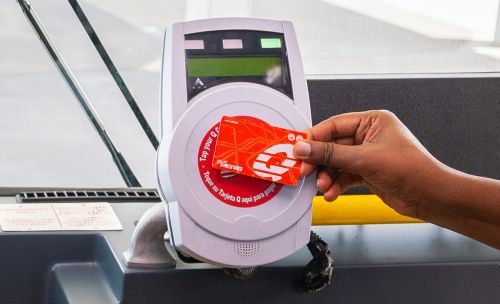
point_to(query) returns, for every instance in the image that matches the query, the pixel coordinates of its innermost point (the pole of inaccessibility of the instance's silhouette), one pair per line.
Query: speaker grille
(247, 249)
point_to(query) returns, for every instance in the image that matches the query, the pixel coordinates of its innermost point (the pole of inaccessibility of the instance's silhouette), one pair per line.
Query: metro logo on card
(249, 146)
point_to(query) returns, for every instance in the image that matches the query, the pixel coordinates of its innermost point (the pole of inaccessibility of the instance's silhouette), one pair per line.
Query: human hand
(374, 149)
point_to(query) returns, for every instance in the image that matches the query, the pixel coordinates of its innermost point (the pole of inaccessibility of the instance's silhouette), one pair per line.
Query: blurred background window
(46, 140)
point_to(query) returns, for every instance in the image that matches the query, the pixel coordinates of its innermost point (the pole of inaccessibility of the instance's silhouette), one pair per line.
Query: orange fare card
(249, 146)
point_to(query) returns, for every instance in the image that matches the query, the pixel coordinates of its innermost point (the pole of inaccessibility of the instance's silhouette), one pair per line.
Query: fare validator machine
(230, 67)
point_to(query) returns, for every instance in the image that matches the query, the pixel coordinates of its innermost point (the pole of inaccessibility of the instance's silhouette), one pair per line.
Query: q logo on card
(274, 172)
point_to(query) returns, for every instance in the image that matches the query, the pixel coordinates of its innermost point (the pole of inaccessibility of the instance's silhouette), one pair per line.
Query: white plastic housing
(199, 224)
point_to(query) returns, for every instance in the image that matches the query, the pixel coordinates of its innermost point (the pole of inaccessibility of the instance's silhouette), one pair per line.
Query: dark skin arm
(376, 149)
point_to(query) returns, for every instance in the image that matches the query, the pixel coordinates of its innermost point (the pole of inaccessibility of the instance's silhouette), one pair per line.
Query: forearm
(467, 204)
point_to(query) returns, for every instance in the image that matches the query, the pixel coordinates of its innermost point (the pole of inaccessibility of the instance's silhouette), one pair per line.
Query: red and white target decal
(231, 188)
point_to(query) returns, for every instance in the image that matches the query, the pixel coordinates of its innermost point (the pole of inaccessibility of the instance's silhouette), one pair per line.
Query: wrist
(462, 197)
(443, 191)
(467, 204)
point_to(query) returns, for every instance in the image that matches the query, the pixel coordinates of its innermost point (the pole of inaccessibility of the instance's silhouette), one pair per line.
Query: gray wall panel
(457, 119)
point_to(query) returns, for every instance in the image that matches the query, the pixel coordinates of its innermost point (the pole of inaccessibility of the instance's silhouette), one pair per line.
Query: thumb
(329, 154)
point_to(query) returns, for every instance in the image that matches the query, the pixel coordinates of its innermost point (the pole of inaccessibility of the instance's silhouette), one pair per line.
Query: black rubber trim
(120, 162)
(89, 29)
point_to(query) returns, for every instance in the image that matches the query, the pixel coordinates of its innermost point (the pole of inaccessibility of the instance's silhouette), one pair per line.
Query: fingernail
(302, 149)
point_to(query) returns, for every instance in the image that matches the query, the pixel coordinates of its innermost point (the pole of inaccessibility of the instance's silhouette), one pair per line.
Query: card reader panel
(219, 57)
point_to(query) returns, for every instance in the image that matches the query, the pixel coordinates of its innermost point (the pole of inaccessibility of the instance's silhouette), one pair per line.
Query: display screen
(220, 57)
(232, 66)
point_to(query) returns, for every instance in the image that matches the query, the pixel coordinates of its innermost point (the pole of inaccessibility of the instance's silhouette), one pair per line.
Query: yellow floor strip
(355, 210)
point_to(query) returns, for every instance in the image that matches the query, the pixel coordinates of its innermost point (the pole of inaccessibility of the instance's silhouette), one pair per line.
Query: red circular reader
(228, 187)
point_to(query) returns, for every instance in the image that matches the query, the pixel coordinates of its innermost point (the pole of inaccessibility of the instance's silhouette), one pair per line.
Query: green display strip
(231, 66)
(270, 43)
